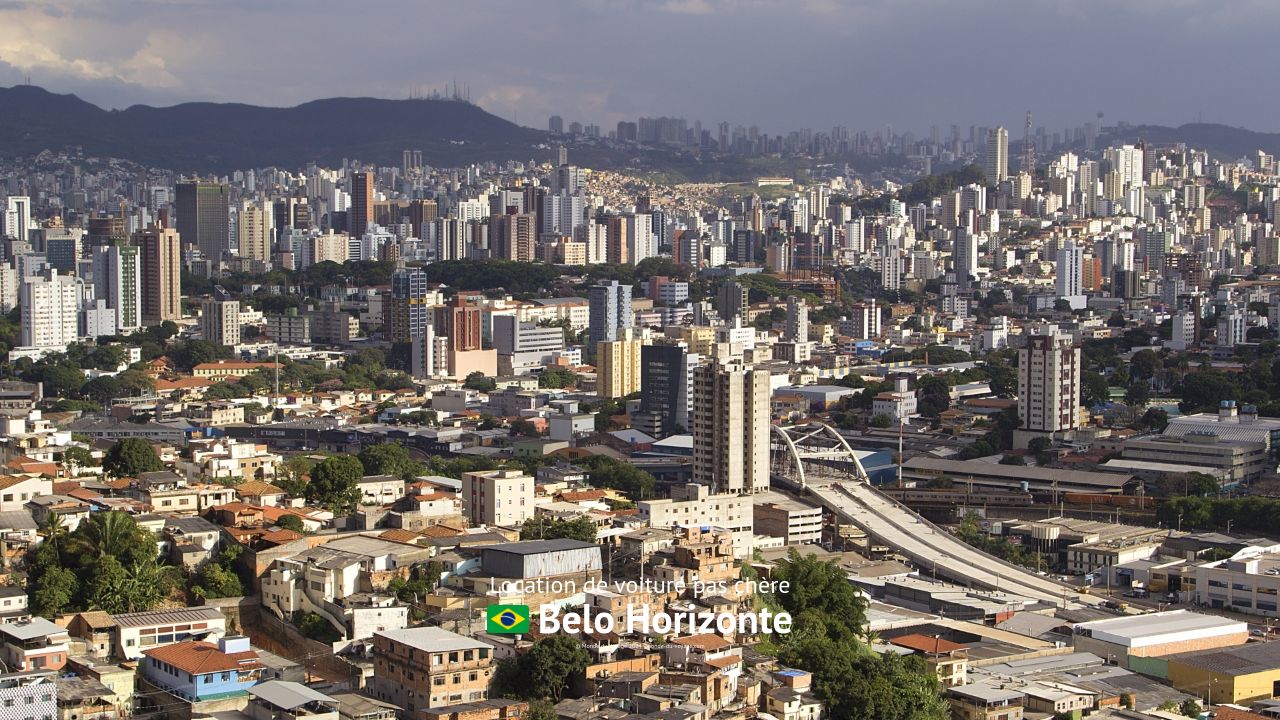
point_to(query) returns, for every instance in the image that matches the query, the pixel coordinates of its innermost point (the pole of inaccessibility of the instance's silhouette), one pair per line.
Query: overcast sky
(778, 64)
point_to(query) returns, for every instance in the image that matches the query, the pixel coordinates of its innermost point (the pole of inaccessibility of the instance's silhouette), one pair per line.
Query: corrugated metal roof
(167, 617)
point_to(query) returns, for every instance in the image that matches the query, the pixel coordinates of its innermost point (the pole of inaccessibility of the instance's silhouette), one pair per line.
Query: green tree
(215, 581)
(51, 590)
(291, 522)
(543, 672)
(1138, 394)
(524, 428)
(1190, 707)
(479, 381)
(101, 389)
(129, 457)
(386, 459)
(880, 421)
(292, 475)
(1093, 389)
(540, 528)
(115, 534)
(334, 483)
(76, 458)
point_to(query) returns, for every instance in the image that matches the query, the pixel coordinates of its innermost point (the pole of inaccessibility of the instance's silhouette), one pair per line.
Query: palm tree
(106, 533)
(147, 582)
(55, 532)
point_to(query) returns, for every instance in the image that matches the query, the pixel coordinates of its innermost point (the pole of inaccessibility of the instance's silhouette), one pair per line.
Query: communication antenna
(1028, 148)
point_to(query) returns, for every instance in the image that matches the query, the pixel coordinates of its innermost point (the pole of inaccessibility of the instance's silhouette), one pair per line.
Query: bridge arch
(790, 447)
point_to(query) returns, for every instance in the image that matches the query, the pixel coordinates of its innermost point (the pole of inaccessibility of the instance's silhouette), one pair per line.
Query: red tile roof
(200, 658)
(926, 644)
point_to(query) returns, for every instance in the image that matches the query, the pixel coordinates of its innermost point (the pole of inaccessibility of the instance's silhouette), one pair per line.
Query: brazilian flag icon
(507, 619)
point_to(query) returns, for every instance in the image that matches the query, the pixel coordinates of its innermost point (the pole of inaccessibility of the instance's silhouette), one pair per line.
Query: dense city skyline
(863, 64)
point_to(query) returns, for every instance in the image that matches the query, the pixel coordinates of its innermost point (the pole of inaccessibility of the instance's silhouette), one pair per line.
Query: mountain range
(221, 137)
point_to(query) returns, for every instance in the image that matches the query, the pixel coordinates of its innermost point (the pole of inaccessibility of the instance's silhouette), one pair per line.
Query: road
(929, 546)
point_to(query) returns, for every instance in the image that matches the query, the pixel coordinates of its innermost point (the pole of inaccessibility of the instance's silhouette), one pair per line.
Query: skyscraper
(460, 323)
(1048, 383)
(966, 256)
(161, 253)
(17, 217)
(117, 279)
(50, 310)
(220, 318)
(731, 301)
(731, 428)
(204, 216)
(996, 163)
(618, 373)
(1070, 270)
(666, 390)
(513, 236)
(255, 224)
(610, 309)
(361, 212)
(797, 325)
(406, 311)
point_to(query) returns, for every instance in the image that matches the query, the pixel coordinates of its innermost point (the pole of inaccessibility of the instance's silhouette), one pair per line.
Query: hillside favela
(732, 387)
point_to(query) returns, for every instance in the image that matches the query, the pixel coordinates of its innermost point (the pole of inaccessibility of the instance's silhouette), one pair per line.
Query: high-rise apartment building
(17, 217)
(996, 164)
(117, 279)
(254, 229)
(406, 311)
(796, 328)
(617, 246)
(1049, 382)
(666, 390)
(497, 497)
(618, 366)
(610, 308)
(514, 236)
(220, 318)
(1070, 271)
(459, 322)
(161, 272)
(361, 213)
(731, 427)
(204, 216)
(50, 310)
(731, 301)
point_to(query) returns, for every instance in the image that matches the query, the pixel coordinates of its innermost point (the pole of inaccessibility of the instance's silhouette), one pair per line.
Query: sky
(776, 64)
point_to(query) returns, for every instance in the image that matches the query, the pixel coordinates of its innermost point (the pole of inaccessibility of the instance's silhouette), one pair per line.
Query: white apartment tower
(497, 497)
(731, 428)
(255, 228)
(1049, 382)
(1070, 271)
(220, 318)
(117, 279)
(50, 310)
(17, 217)
(997, 159)
(797, 325)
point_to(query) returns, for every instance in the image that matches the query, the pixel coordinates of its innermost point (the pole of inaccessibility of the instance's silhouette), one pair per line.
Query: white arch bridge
(815, 460)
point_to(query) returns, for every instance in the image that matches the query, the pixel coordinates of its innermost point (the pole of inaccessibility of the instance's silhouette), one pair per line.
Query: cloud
(777, 64)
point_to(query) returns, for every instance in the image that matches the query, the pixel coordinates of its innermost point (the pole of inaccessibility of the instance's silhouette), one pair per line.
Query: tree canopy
(129, 457)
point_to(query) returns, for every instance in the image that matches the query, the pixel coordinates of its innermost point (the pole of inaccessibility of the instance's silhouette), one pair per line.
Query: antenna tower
(1028, 148)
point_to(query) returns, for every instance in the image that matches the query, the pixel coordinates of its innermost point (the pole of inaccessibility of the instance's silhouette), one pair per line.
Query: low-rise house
(257, 492)
(16, 490)
(34, 644)
(13, 604)
(792, 697)
(134, 633)
(199, 671)
(985, 701)
(81, 698)
(281, 700)
(380, 489)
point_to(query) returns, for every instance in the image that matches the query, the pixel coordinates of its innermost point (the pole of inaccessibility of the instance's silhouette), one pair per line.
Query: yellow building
(618, 366)
(1231, 675)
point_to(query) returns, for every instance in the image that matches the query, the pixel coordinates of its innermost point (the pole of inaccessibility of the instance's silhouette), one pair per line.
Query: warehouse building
(1127, 640)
